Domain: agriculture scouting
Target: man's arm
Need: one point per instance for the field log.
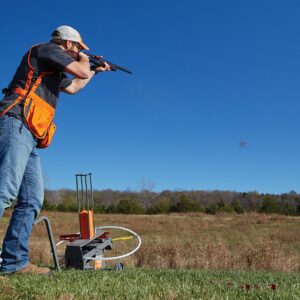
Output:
(81, 68)
(79, 83)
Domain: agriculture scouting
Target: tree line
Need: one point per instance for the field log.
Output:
(150, 202)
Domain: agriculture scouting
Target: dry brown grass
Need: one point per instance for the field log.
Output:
(193, 241)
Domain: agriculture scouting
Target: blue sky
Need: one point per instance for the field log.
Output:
(207, 75)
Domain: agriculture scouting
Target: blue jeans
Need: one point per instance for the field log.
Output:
(21, 178)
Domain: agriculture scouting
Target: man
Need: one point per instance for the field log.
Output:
(26, 122)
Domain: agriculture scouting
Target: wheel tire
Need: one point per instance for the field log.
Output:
(119, 267)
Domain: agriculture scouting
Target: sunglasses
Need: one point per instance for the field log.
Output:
(77, 45)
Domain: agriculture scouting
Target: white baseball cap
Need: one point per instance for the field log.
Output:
(68, 33)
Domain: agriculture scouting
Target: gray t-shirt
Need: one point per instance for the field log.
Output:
(47, 57)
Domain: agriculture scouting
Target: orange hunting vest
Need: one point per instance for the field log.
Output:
(37, 113)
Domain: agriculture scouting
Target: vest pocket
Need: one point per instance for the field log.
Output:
(38, 115)
(45, 142)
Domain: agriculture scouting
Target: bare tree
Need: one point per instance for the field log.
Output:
(46, 180)
(147, 195)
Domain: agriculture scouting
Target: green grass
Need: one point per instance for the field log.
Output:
(153, 284)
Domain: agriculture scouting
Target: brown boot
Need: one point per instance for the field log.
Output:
(32, 270)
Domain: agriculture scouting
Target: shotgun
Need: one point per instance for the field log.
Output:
(98, 61)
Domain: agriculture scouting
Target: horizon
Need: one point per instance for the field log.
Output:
(175, 191)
